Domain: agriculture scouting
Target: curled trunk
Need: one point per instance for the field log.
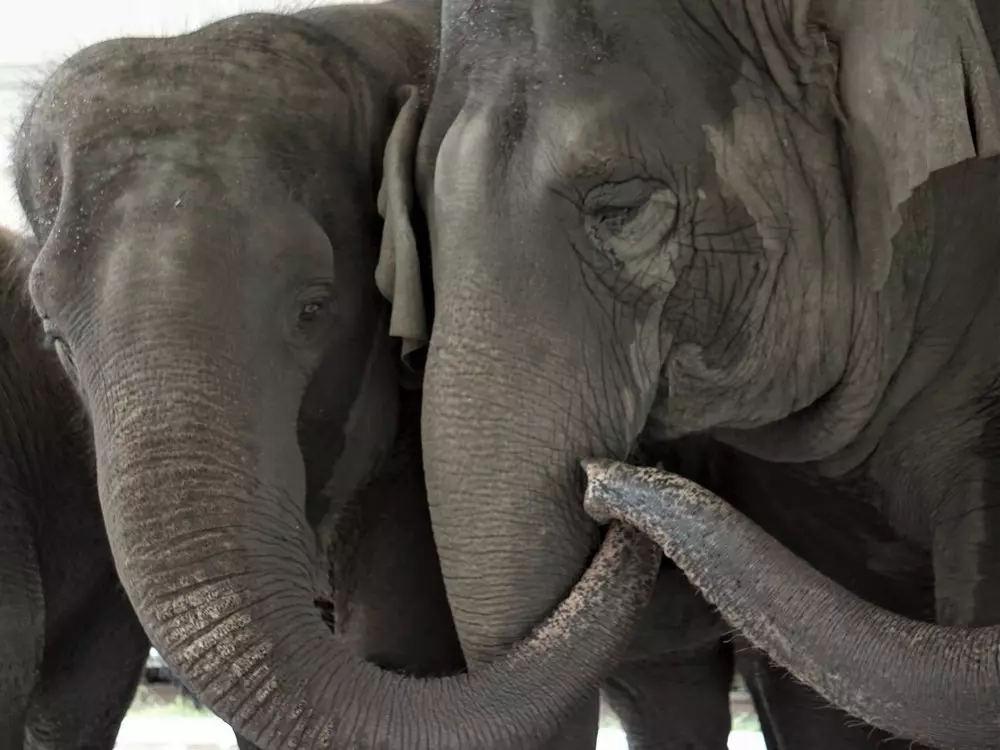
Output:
(214, 552)
(934, 684)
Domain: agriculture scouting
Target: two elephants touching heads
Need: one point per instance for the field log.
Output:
(645, 220)
(207, 211)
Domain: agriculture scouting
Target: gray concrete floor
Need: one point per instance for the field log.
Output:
(183, 733)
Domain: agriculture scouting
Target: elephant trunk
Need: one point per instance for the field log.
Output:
(937, 685)
(511, 405)
(504, 488)
(204, 508)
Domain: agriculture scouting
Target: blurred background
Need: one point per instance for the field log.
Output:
(35, 36)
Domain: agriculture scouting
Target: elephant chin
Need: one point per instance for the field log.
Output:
(933, 684)
(216, 557)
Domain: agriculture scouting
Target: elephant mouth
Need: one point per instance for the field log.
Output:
(326, 611)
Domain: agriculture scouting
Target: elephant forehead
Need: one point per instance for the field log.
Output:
(559, 106)
(215, 81)
(481, 136)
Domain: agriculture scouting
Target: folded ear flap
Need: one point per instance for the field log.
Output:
(398, 273)
(919, 91)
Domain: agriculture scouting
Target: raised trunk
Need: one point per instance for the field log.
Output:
(210, 538)
(925, 682)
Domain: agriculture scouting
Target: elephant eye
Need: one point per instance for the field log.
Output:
(310, 312)
(314, 310)
(629, 221)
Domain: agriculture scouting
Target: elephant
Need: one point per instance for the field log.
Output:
(73, 651)
(71, 648)
(211, 210)
(730, 218)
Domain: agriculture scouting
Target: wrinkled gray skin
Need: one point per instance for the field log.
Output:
(672, 688)
(71, 649)
(933, 683)
(206, 209)
(670, 217)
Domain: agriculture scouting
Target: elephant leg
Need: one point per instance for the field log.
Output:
(675, 701)
(243, 744)
(580, 731)
(967, 562)
(90, 672)
(22, 620)
(793, 716)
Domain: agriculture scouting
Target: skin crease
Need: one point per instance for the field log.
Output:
(62, 610)
(205, 270)
(795, 306)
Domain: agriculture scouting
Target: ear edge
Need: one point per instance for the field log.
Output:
(398, 272)
(905, 113)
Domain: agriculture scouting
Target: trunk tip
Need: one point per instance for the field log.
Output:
(598, 500)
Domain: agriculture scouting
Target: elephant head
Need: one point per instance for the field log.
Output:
(206, 210)
(660, 218)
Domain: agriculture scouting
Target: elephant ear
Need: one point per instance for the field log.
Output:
(398, 274)
(919, 91)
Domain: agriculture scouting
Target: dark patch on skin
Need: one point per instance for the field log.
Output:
(989, 14)
(17, 253)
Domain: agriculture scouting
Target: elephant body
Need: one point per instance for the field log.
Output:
(72, 650)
